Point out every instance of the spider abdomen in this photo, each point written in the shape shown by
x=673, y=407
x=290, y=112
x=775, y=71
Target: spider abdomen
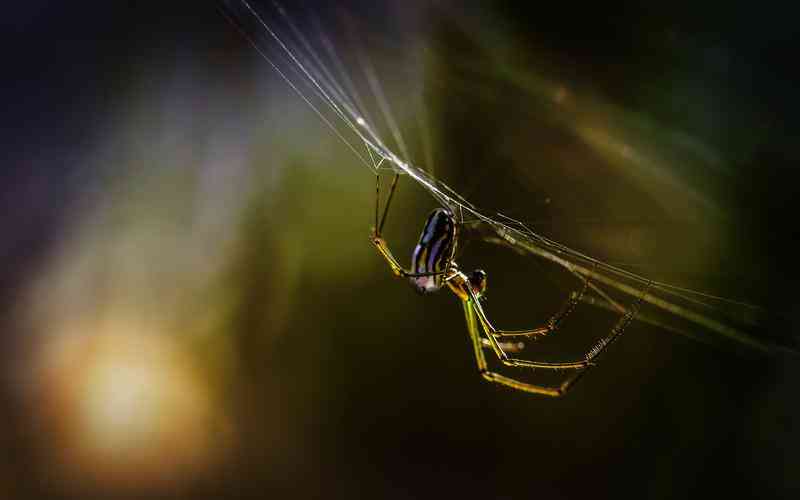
x=436, y=248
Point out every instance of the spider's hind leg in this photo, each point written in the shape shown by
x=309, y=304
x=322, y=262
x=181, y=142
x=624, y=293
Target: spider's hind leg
x=619, y=327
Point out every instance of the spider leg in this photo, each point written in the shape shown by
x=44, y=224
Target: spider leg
x=483, y=368
x=492, y=334
x=552, y=324
x=478, y=343
x=380, y=243
x=397, y=269
x=623, y=322
x=505, y=346
x=380, y=221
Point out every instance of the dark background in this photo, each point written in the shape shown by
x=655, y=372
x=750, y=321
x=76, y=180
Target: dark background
x=328, y=378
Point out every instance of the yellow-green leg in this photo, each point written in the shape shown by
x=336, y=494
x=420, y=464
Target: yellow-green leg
x=483, y=368
x=552, y=324
x=379, y=242
x=471, y=312
x=582, y=363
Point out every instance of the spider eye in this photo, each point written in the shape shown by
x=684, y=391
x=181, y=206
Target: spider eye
x=477, y=279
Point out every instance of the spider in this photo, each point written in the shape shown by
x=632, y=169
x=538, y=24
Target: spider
x=433, y=267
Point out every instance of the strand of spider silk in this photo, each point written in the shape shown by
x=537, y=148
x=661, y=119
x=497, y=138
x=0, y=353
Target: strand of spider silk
x=317, y=65
x=676, y=290
x=602, y=304
x=349, y=100
x=294, y=87
x=651, y=298
x=361, y=109
x=310, y=79
x=534, y=238
x=373, y=141
x=666, y=288
x=383, y=103
x=285, y=48
x=335, y=97
x=683, y=293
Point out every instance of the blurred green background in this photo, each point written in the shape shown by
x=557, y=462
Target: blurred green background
x=191, y=307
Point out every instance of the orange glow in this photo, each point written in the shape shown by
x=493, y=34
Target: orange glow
x=128, y=408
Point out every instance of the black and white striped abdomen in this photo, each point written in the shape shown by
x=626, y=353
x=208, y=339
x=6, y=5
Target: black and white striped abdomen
x=436, y=247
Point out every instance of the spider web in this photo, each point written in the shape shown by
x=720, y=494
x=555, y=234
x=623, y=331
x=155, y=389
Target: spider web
x=317, y=73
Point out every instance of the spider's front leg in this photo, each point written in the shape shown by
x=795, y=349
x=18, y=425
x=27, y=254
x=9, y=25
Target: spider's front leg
x=380, y=244
x=493, y=334
x=375, y=236
x=483, y=368
x=396, y=268
x=473, y=316
x=550, y=326
x=383, y=249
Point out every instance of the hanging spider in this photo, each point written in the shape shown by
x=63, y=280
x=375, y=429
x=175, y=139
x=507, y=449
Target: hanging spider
x=433, y=266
